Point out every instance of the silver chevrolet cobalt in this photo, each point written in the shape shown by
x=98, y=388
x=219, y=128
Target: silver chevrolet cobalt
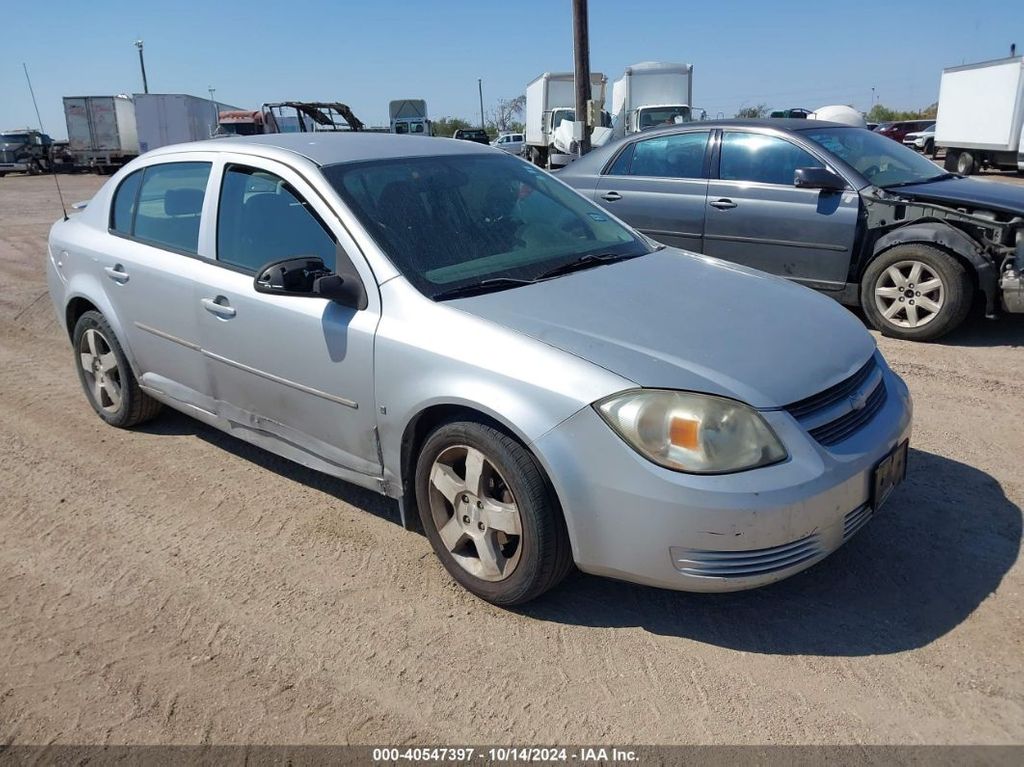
x=536, y=383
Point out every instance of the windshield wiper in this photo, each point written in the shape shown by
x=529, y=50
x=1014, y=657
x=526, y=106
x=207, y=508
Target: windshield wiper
x=585, y=262
x=940, y=177
x=484, y=286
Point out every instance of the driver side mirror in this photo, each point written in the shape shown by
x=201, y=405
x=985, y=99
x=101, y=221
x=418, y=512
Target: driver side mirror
x=818, y=178
x=308, y=276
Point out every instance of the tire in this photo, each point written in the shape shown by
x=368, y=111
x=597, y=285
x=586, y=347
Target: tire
x=521, y=566
x=108, y=381
x=887, y=284
x=929, y=148
x=965, y=164
x=952, y=157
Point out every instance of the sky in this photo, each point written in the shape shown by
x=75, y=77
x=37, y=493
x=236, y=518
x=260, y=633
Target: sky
x=365, y=53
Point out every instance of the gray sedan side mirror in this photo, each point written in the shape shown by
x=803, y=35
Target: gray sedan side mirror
x=818, y=178
x=308, y=276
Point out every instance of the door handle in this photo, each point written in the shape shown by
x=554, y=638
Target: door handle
x=219, y=306
x=611, y=196
x=724, y=204
x=116, y=273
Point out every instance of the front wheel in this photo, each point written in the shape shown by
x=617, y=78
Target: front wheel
x=490, y=513
x=915, y=292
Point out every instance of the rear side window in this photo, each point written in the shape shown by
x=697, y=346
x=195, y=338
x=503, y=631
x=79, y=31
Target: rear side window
x=125, y=198
x=168, y=204
x=261, y=219
x=677, y=156
x=763, y=159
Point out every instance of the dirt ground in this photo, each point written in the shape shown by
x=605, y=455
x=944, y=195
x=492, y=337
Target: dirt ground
x=175, y=585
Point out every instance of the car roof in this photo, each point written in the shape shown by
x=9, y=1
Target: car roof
x=332, y=148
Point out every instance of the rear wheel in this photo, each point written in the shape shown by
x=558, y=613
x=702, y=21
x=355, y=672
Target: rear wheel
x=965, y=164
x=929, y=148
x=915, y=292
x=490, y=513
x=106, y=376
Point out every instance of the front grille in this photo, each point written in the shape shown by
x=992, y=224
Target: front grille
x=855, y=520
x=6, y=156
x=841, y=410
x=742, y=564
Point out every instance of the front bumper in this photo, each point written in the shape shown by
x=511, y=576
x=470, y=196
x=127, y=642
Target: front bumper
x=633, y=520
x=13, y=167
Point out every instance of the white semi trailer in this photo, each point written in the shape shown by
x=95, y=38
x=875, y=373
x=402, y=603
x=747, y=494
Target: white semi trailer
x=174, y=118
x=551, y=112
x=651, y=94
x=981, y=116
x=102, y=133
x=409, y=116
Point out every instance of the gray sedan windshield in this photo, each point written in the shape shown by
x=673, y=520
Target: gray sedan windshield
x=879, y=159
x=453, y=221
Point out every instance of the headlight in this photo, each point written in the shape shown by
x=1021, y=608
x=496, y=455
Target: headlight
x=695, y=433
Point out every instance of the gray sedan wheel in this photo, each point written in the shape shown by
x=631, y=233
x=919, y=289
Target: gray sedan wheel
x=916, y=292
x=106, y=376
x=490, y=513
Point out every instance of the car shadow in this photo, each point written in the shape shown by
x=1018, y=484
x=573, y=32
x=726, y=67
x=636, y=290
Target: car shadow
x=939, y=547
x=174, y=422
x=1007, y=330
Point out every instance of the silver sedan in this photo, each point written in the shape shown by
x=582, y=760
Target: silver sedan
x=534, y=382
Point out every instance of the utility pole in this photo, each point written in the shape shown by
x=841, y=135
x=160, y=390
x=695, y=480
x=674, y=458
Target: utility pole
x=216, y=110
x=142, y=64
x=480, y=88
x=581, y=63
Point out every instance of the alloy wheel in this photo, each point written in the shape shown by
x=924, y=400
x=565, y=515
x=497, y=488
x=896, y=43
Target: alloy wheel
x=102, y=373
x=909, y=294
x=475, y=513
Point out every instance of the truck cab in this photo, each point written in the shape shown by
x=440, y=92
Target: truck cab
x=24, y=151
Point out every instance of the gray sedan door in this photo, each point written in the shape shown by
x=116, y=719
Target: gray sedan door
x=659, y=186
x=755, y=216
x=295, y=373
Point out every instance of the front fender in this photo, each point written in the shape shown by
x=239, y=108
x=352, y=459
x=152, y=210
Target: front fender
x=951, y=239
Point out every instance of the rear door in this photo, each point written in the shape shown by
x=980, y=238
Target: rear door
x=755, y=216
x=659, y=186
x=148, y=267
x=293, y=373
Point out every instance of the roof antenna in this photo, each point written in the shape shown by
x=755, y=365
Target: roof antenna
x=53, y=168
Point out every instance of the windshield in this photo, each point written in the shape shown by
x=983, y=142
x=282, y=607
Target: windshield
x=452, y=221
x=14, y=138
x=658, y=116
x=879, y=159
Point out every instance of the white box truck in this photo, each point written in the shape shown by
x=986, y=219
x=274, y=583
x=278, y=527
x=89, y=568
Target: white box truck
x=174, y=118
x=102, y=134
x=409, y=116
x=981, y=113
x=651, y=94
x=550, y=102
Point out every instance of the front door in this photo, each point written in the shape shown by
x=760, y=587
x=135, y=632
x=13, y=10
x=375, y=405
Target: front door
x=755, y=216
x=293, y=373
x=659, y=186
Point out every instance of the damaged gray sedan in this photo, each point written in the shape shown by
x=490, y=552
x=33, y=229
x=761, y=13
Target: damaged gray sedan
x=536, y=383
x=843, y=210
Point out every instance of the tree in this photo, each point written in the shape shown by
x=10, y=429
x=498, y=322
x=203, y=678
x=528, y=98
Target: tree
x=756, y=112
x=880, y=113
x=446, y=126
x=506, y=113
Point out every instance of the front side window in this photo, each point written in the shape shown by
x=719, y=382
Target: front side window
x=162, y=205
x=261, y=219
x=453, y=221
x=677, y=156
x=762, y=159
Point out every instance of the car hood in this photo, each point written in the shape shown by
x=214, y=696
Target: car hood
x=678, y=320
x=971, y=192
